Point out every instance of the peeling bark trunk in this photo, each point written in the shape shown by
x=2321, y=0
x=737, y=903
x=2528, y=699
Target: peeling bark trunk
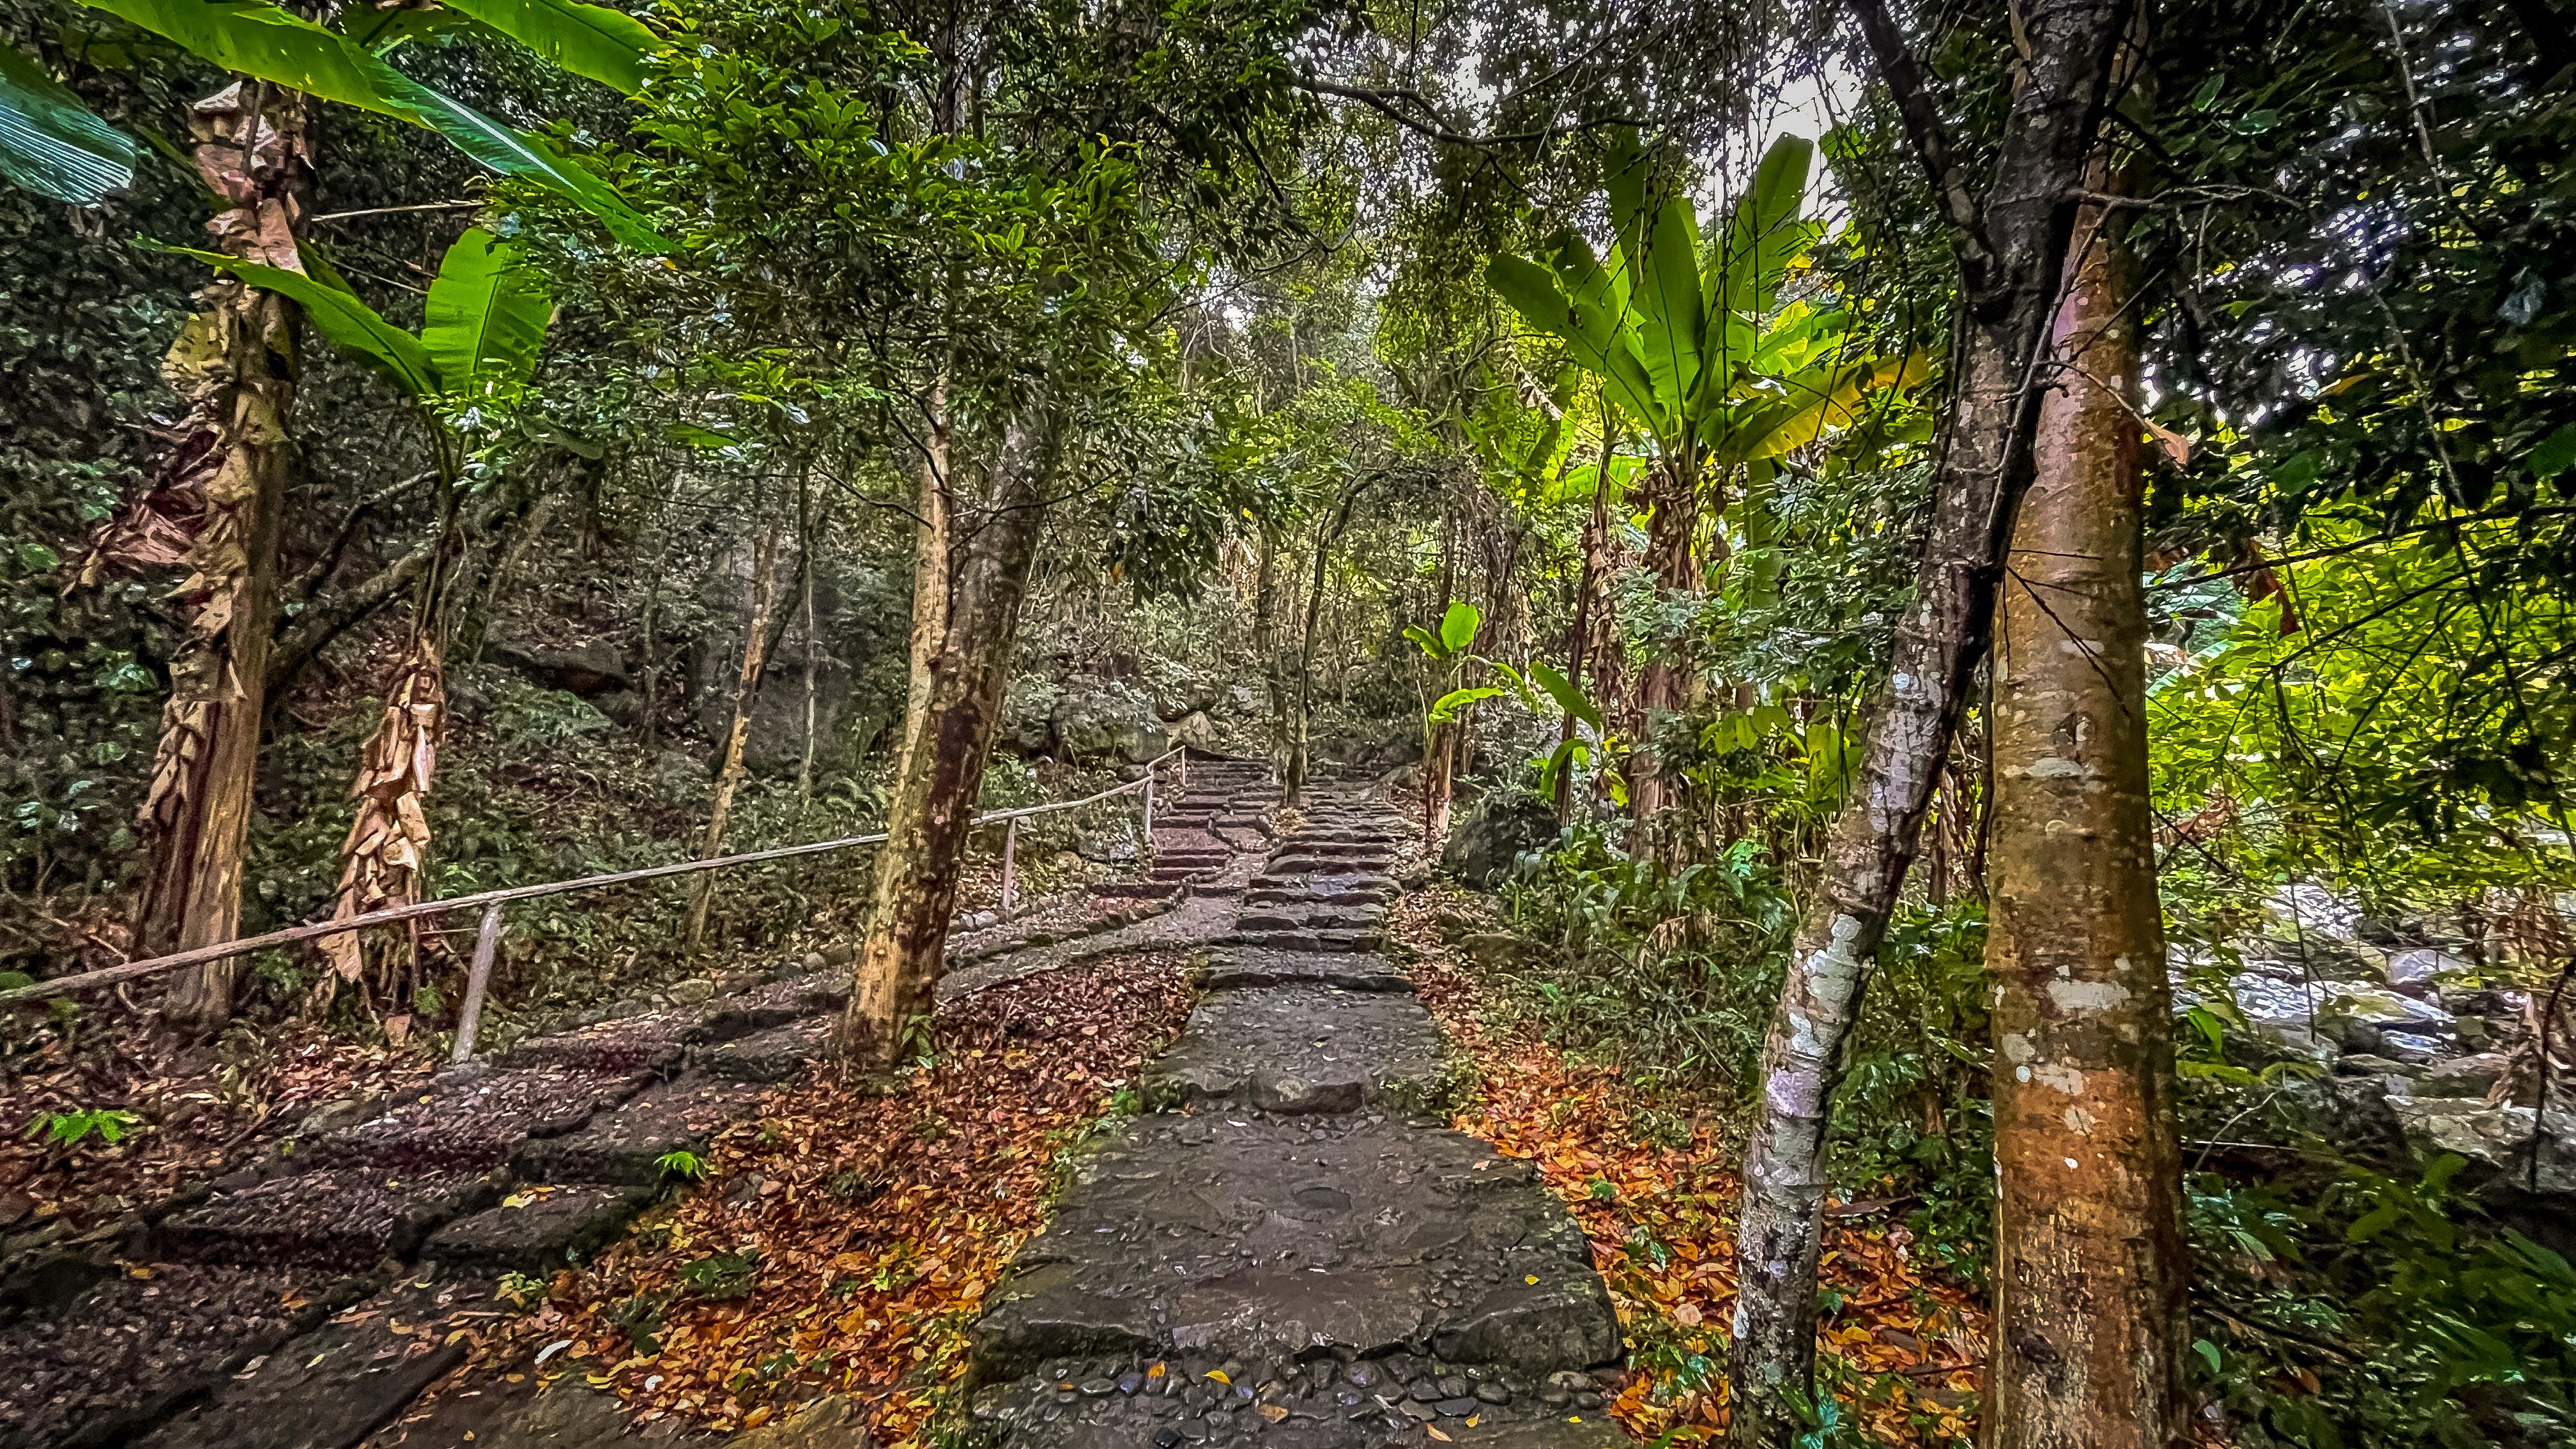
x=2090, y=1326
x=930, y=567
x=933, y=810
x=235, y=366
x=1670, y=531
x=755, y=652
x=2012, y=252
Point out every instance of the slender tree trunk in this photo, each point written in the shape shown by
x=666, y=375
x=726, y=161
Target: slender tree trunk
x=1596, y=560
x=1302, y=702
x=1265, y=646
x=1670, y=530
x=2012, y=251
x=933, y=810
x=2090, y=1324
x=235, y=366
x=807, y=529
x=931, y=571
x=755, y=650
x=1439, y=780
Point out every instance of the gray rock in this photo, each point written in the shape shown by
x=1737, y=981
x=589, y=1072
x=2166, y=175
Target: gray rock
x=1486, y=841
x=589, y=670
x=2417, y=971
x=2496, y=1138
x=2469, y=1076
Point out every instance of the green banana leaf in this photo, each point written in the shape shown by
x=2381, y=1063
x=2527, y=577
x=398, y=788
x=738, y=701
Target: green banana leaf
x=1568, y=698
x=268, y=43
x=1588, y=321
x=1659, y=240
x=485, y=320
x=608, y=46
x=53, y=145
x=1459, y=625
x=1815, y=402
x=340, y=317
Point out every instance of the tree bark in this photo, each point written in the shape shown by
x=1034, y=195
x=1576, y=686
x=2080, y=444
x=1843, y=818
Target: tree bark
x=1265, y=646
x=1439, y=780
x=2090, y=1324
x=930, y=567
x=235, y=366
x=2012, y=251
x=933, y=810
x=1301, y=705
x=755, y=651
x=807, y=528
x=1670, y=557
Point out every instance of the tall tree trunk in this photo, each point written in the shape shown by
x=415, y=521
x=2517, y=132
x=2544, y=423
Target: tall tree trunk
x=234, y=364
x=1439, y=780
x=755, y=652
x=931, y=567
x=1265, y=646
x=1670, y=530
x=933, y=811
x=1596, y=532
x=807, y=528
x=1301, y=706
x=2090, y=1325
x=2012, y=251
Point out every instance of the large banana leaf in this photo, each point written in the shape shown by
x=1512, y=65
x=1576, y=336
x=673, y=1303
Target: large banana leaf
x=1815, y=402
x=1589, y=321
x=1660, y=242
x=1763, y=235
x=341, y=317
x=268, y=43
x=53, y=145
x=485, y=320
x=606, y=45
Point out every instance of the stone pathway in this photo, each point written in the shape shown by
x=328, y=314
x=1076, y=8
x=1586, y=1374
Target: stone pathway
x=1293, y=1250
x=224, y=1325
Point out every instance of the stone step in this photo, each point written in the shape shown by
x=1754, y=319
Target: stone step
x=537, y=1230
x=769, y=1056
x=1272, y=1241
x=473, y=1117
x=1306, y=1047
x=657, y=1042
x=343, y=1217
x=1230, y=967
x=1310, y=916
x=625, y=1147
x=334, y=1386
x=1307, y=940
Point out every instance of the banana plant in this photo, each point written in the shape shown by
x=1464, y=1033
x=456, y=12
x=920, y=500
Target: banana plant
x=1690, y=340
x=269, y=43
x=53, y=145
x=484, y=321
x=1541, y=680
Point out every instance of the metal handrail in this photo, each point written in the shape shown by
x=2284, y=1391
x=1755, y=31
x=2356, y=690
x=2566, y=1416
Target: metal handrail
x=492, y=901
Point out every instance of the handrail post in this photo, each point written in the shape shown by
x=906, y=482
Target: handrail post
x=1149, y=811
x=1181, y=771
x=1011, y=863
x=478, y=979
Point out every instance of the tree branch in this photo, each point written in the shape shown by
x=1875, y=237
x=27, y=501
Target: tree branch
x=1914, y=106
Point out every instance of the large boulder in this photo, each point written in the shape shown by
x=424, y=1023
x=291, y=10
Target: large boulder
x=588, y=669
x=1485, y=842
x=1090, y=719
x=773, y=741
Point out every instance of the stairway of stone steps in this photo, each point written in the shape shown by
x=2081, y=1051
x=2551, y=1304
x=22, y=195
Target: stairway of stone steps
x=493, y=1167
x=1290, y=1248
x=1220, y=813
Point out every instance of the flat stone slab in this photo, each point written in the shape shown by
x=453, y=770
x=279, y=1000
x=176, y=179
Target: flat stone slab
x=1232, y=967
x=655, y=1043
x=1273, y=1238
x=537, y=1231
x=1124, y=1403
x=93, y=1372
x=330, y=1388
x=469, y=1120
x=1306, y=1048
x=1353, y=888
x=769, y=1056
x=1306, y=940
x=345, y=1217
x=1310, y=916
x=625, y=1147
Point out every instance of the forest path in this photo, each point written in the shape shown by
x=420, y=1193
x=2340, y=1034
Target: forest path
x=1292, y=1248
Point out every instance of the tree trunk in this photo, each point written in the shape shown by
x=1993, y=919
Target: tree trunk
x=2090, y=1325
x=1439, y=781
x=755, y=651
x=1596, y=558
x=933, y=810
x=2012, y=252
x=234, y=364
x=1265, y=646
x=1328, y=531
x=807, y=529
x=930, y=567
x=1669, y=557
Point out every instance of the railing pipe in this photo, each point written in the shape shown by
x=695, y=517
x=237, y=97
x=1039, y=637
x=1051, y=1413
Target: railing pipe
x=1010, y=865
x=153, y=966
